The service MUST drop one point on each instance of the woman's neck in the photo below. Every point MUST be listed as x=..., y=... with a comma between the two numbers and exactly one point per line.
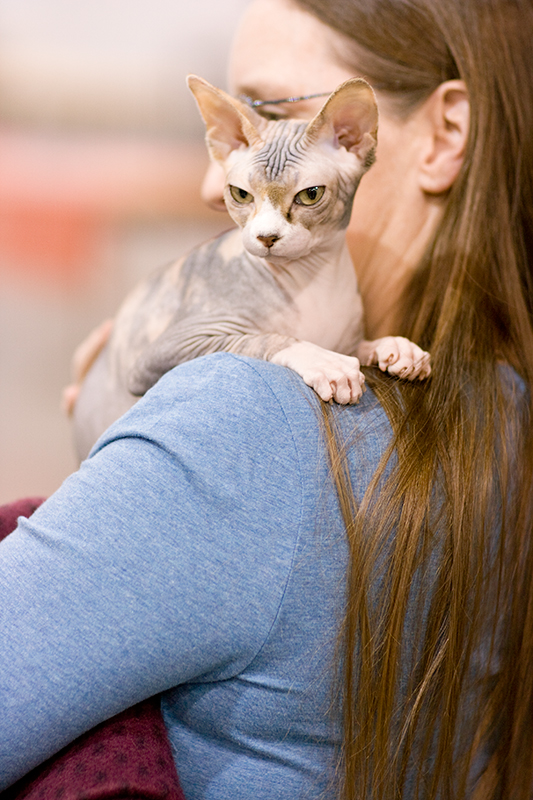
x=385, y=264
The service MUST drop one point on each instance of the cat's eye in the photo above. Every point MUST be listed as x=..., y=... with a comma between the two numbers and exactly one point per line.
x=308, y=197
x=240, y=195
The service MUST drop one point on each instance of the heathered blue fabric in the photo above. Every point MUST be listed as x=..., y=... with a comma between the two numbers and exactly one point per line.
x=199, y=552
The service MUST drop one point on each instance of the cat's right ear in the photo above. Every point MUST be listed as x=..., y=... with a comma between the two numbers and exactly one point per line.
x=230, y=124
x=349, y=118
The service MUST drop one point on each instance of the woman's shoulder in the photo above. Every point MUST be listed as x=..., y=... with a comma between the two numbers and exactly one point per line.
x=246, y=399
x=218, y=394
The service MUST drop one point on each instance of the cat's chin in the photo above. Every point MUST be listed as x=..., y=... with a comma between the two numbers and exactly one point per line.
x=281, y=255
x=282, y=260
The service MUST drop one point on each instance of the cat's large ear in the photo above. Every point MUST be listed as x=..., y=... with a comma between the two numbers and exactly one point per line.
x=349, y=117
x=229, y=122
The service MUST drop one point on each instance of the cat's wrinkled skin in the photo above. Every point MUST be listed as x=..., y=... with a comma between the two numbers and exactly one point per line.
x=280, y=287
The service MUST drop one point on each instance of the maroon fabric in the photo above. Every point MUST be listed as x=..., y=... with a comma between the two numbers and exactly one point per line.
x=128, y=756
x=21, y=508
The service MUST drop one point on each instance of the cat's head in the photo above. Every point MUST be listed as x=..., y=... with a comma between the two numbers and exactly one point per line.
x=290, y=184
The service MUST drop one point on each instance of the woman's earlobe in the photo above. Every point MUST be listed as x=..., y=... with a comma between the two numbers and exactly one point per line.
x=448, y=109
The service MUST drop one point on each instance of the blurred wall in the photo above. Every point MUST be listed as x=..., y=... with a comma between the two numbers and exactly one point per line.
x=101, y=159
x=110, y=64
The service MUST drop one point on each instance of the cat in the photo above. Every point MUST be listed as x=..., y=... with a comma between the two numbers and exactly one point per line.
x=281, y=286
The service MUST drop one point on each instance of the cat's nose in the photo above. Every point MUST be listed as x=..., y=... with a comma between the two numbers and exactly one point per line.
x=268, y=241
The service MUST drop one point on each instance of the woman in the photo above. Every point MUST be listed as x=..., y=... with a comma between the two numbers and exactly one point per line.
x=202, y=551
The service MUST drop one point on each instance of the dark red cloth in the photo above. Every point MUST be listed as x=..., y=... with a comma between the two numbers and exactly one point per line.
x=21, y=508
x=128, y=756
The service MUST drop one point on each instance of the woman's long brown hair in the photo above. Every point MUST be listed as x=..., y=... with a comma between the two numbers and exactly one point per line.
x=437, y=664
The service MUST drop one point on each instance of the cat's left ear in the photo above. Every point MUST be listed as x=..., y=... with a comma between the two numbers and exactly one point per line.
x=230, y=124
x=349, y=118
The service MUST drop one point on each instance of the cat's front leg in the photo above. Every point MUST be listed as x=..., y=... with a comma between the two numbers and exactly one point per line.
x=397, y=356
x=333, y=376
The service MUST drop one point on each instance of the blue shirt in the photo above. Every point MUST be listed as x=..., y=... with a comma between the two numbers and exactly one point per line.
x=200, y=553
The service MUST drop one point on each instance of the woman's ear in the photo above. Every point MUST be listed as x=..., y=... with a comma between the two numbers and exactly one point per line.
x=448, y=111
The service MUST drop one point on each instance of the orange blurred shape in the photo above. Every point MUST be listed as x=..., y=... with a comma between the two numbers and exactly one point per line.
x=59, y=244
x=61, y=196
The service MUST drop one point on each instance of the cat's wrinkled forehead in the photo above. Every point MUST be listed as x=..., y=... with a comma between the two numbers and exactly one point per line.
x=283, y=147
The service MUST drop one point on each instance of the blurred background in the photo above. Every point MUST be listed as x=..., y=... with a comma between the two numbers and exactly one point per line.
x=101, y=160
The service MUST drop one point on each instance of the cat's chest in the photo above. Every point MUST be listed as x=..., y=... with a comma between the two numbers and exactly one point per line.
x=326, y=310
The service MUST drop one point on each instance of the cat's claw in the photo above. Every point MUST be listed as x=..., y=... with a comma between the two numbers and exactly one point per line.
x=397, y=356
x=333, y=376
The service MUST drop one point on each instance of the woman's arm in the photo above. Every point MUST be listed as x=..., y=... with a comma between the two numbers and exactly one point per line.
x=163, y=559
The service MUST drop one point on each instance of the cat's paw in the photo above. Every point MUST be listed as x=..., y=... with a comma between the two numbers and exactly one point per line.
x=397, y=356
x=333, y=376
